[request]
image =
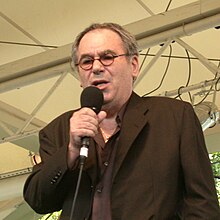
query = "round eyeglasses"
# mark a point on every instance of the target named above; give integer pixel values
(86, 63)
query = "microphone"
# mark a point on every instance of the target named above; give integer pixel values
(91, 97)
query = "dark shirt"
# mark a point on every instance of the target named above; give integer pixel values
(106, 152)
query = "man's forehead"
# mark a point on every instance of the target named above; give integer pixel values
(100, 40)
(104, 33)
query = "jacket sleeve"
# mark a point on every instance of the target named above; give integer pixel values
(200, 197)
(46, 187)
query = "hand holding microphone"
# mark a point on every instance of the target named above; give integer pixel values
(84, 123)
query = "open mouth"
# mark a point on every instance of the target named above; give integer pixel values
(99, 83)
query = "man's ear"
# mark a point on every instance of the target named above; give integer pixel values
(135, 66)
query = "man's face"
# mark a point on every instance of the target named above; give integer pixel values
(115, 80)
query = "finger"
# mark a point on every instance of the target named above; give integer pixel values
(101, 116)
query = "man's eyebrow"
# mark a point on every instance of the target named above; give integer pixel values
(86, 55)
(100, 53)
(108, 51)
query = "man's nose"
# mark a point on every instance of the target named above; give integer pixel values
(97, 66)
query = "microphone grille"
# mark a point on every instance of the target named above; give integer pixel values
(92, 97)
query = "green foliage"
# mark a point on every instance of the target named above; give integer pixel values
(215, 160)
(52, 216)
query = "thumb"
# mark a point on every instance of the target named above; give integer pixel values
(101, 116)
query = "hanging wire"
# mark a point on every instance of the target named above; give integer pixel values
(188, 80)
(179, 93)
(190, 67)
(216, 89)
(27, 44)
(167, 8)
(77, 187)
(180, 57)
(165, 73)
(210, 89)
(206, 95)
(144, 59)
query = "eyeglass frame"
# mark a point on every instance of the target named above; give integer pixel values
(100, 60)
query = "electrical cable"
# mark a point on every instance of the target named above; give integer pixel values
(216, 83)
(180, 57)
(163, 77)
(190, 68)
(19, 28)
(188, 80)
(82, 161)
(211, 87)
(179, 93)
(189, 61)
(216, 89)
(168, 5)
(206, 95)
(144, 59)
(27, 44)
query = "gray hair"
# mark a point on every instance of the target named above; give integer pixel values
(129, 41)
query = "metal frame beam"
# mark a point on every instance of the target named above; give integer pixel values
(179, 22)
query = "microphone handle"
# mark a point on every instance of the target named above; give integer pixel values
(84, 147)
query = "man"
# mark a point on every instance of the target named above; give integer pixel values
(147, 157)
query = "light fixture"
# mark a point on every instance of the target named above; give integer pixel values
(208, 114)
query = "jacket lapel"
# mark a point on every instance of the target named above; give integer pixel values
(135, 118)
